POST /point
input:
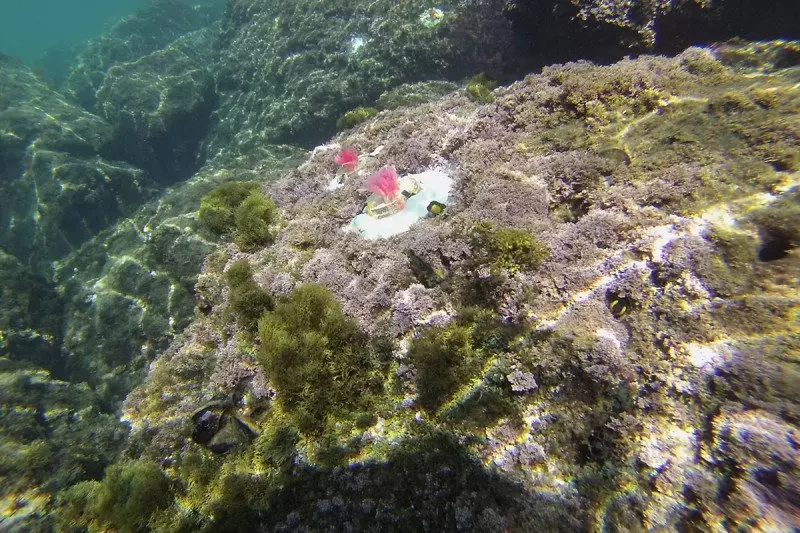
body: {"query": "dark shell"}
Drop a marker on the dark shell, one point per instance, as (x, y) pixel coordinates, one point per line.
(218, 430)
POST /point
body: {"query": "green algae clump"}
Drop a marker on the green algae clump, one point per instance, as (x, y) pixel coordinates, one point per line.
(479, 89)
(506, 249)
(248, 301)
(239, 207)
(444, 358)
(218, 208)
(447, 358)
(355, 117)
(253, 220)
(123, 501)
(317, 358)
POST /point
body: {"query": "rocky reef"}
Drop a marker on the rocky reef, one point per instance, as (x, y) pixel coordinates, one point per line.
(149, 78)
(99, 262)
(58, 186)
(600, 29)
(598, 332)
(596, 329)
(288, 72)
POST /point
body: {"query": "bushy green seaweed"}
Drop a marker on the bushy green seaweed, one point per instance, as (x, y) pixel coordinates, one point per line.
(124, 500)
(355, 117)
(317, 358)
(444, 359)
(447, 358)
(506, 249)
(247, 300)
(239, 207)
(253, 220)
(479, 89)
(275, 446)
(218, 208)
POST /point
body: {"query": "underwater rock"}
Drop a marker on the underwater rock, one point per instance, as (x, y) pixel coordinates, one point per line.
(53, 434)
(413, 94)
(148, 30)
(760, 453)
(275, 86)
(216, 428)
(305, 72)
(148, 77)
(616, 155)
(206, 425)
(30, 317)
(72, 347)
(160, 106)
(522, 381)
(604, 29)
(629, 379)
(128, 291)
(58, 189)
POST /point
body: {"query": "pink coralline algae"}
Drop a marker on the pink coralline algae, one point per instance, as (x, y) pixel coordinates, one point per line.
(384, 183)
(348, 159)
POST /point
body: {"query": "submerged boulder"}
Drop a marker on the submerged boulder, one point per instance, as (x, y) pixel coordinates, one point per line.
(588, 323)
(149, 78)
(59, 185)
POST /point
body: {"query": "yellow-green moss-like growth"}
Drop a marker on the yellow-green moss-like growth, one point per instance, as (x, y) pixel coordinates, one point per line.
(275, 447)
(218, 208)
(253, 220)
(444, 359)
(479, 89)
(355, 117)
(447, 358)
(506, 249)
(240, 208)
(123, 501)
(730, 269)
(318, 360)
(247, 300)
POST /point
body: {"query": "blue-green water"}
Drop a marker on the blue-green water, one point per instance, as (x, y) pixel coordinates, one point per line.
(28, 29)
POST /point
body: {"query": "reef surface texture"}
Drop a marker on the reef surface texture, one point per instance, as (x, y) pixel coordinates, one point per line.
(593, 325)
(599, 331)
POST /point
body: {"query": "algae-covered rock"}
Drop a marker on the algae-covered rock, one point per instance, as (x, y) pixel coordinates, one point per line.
(30, 317)
(129, 290)
(145, 32)
(54, 434)
(588, 337)
(59, 185)
(412, 94)
(148, 76)
(74, 346)
(601, 28)
(160, 106)
(355, 117)
(287, 73)
(313, 62)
